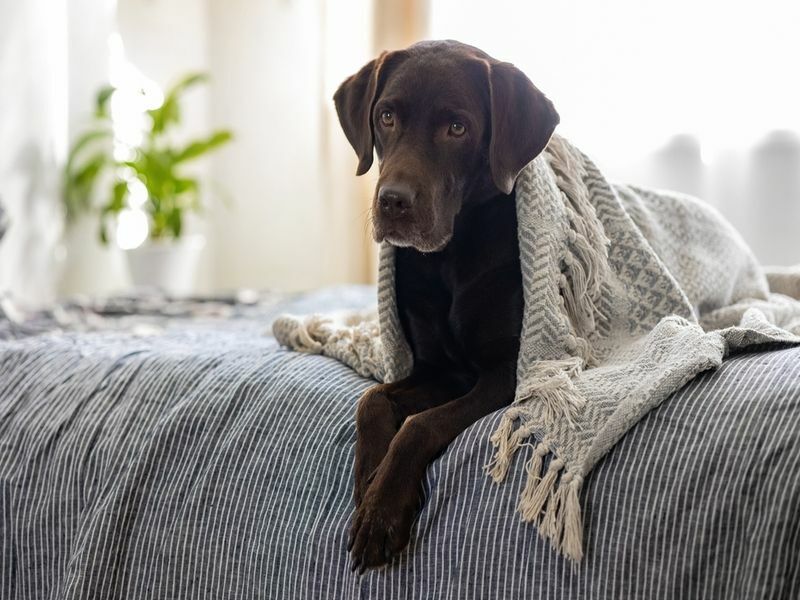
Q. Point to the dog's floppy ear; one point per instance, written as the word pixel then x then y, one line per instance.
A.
pixel 522 119
pixel 354 101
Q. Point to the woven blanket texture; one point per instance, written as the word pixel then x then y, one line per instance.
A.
pixel 629 294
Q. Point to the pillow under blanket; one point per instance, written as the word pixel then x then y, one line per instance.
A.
pixel 629 294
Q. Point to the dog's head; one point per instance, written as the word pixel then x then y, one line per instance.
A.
pixel 449 123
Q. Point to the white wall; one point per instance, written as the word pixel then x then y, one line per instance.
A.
pixel 290 173
pixel 265 60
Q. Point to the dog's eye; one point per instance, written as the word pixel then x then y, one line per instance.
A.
pixel 387 118
pixel 457 129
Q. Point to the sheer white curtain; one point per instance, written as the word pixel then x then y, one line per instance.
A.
pixel 699 96
pixel 52 58
pixel 33 128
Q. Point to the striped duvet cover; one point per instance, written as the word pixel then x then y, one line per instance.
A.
pixel 208 463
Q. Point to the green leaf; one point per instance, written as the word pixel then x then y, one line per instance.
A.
pixel 183 185
pixel 175 221
pixel 86 175
pixel 118 192
pixel 156 225
pixel 101 102
pixel 164 115
pixel 197 148
pixel 185 82
pixel 83 141
pixel 169 112
pixel 80 174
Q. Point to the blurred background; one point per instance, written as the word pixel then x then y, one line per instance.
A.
pixel 195 141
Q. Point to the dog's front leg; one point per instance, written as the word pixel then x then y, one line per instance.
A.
pixel 382 523
pixel 381 411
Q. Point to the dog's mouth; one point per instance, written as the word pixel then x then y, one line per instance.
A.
pixel 409 236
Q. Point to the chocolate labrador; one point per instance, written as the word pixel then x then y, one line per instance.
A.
pixel 452 128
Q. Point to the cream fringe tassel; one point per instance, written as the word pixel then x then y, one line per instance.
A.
pixel 550 499
pixel 586 256
pixel 348 337
pixel 550 496
pixel 550 383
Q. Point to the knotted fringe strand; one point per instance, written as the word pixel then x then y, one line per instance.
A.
pixel 579 284
pixel 528 496
pixel 550 382
pixel 531 504
pixel 579 315
pixel 587 243
pixel 506 441
pixel 506 445
pixel 550 389
pixel 572 542
pixel 552 521
pixel 568 167
pixel 549 395
pixel 552 504
pixel 301 335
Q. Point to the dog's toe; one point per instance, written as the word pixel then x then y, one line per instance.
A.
pixel 378 534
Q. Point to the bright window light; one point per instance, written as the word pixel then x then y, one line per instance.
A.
pixel 137 193
pixel 132 228
pixel 627 75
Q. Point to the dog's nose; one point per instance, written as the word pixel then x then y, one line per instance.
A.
pixel 395 201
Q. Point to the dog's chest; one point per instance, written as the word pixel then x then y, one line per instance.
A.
pixel 462 307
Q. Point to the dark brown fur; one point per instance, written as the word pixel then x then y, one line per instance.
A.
pixel 452 128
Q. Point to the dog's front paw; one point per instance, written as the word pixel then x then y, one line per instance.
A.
pixel 381 528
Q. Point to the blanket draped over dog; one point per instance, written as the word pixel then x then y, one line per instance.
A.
pixel 628 293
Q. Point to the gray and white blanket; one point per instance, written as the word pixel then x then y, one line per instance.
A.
pixel 629 294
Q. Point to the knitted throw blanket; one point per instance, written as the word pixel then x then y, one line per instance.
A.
pixel 628 295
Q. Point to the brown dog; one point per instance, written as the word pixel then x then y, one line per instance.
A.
pixel 452 128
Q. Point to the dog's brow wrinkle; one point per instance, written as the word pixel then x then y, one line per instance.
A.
pixel 394 103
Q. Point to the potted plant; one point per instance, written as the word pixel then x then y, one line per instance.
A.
pixel 129 171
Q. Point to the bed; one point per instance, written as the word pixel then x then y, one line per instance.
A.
pixel 154 449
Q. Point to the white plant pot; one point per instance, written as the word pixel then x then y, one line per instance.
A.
pixel 87 267
pixel 168 265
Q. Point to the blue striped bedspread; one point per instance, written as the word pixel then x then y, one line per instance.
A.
pixel 208 463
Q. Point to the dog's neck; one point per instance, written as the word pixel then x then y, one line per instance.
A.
pixel 481 190
pixel 480 198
